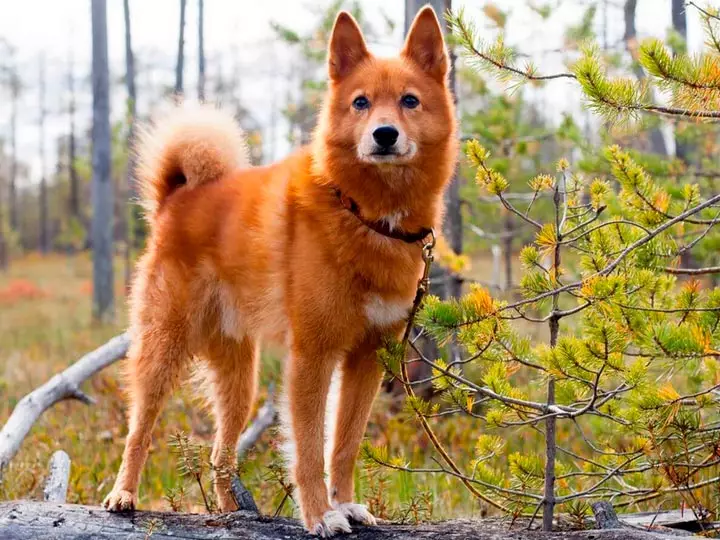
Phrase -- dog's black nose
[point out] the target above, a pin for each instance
(385, 136)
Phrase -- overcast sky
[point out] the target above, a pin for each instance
(59, 28)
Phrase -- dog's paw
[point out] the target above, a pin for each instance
(356, 512)
(332, 522)
(119, 501)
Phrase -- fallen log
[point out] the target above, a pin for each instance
(25, 520)
(64, 385)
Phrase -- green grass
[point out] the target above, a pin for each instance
(45, 325)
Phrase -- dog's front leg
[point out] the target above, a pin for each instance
(361, 377)
(308, 382)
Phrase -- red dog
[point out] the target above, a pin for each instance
(321, 250)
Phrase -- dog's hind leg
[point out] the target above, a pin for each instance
(155, 363)
(233, 367)
(360, 381)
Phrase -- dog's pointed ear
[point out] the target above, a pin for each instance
(347, 47)
(425, 45)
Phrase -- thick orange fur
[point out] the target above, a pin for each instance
(241, 254)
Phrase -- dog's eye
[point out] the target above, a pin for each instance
(409, 101)
(361, 103)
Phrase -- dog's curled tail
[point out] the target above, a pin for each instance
(190, 146)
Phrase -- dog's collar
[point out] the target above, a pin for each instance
(380, 226)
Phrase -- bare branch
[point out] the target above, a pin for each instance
(266, 417)
(692, 271)
(64, 385)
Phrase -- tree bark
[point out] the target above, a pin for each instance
(201, 50)
(559, 203)
(679, 22)
(453, 226)
(26, 520)
(74, 202)
(679, 18)
(12, 197)
(129, 68)
(102, 221)
(131, 212)
(657, 142)
(180, 66)
(44, 230)
(3, 233)
(64, 385)
(56, 485)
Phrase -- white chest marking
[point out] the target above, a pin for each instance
(393, 220)
(381, 312)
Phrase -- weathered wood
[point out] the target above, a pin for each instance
(243, 497)
(64, 385)
(103, 208)
(56, 485)
(25, 520)
(605, 516)
(678, 520)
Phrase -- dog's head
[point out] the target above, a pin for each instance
(388, 112)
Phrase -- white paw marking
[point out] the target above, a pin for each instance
(382, 312)
(332, 522)
(356, 512)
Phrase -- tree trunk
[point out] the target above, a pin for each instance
(44, 231)
(131, 210)
(679, 18)
(12, 198)
(74, 202)
(682, 148)
(554, 324)
(453, 226)
(201, 50)
(102, 221)
(657, 142)
(181, 52)
(679, 22)
(3, 233)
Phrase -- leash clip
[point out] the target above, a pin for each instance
(428, 258)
